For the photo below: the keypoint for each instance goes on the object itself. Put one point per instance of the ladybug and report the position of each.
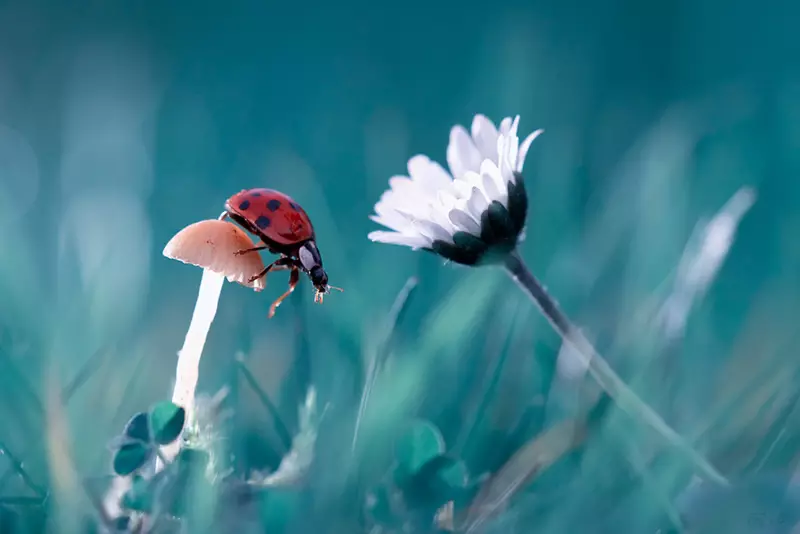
(284, 228)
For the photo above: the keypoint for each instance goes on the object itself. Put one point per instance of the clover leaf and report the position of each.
(166, 422)
(138, 428)
(130, 457)
(417, 445)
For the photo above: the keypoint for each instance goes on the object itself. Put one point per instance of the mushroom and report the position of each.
(212, 244)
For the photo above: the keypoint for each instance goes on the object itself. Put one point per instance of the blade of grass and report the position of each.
(776, 433)
(649, 483)
(86, 371)
(70, 489)
(16, 467)
(67, 393)
(499, 357)
(233, 400)
(12, 373)
(533, 458)
(133, 377)
(381, 353)
(280, 427)
(446, 330)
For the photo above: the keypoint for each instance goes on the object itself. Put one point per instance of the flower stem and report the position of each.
(602, 372)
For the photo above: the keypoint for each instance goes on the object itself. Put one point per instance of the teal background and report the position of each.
(122, 122)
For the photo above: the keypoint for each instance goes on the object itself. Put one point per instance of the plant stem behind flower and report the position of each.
(602, 372)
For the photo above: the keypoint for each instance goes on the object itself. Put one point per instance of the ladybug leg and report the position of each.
(293, 279)
(278, 265)
(246, 250)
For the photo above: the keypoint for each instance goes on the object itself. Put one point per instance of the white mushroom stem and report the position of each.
(188, 369)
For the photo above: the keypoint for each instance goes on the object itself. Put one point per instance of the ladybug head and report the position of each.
(319, 278)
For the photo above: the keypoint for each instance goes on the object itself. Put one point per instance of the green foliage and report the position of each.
(438, 481)
(143, 433)
(423, 479)
(141, 496)
(138, 428)
(417, 445)
(130, 457)
(172, 489)
(166, 422)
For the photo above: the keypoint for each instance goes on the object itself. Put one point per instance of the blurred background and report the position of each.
(123, 122)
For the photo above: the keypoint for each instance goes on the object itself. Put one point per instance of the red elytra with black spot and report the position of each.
(273, 216)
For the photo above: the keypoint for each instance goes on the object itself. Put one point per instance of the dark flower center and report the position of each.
(500, 229)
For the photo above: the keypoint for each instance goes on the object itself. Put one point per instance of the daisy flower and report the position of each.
(474, 215)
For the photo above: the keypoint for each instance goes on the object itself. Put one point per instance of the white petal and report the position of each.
(505, 126)
(438, 216)
(505, 164)
(463, 188)
(507, 173)
(484, 134)
(393, 238)
(477, 203)
(398, 181)
(406, 195)
(512, 146)
(446, 198)
(462, 154)
(430, 175)
(391, 219)
(440, 175)
(463, 205)
(490, 187)
(512, 132)
(465, 222)
(472, 179)
(523, 149)
(434, 231)
(502, 149)
(493, 183)
(402, 187)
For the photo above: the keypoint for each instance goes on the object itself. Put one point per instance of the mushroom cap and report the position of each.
(211, 244)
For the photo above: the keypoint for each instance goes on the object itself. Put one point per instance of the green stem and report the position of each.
(600, 370)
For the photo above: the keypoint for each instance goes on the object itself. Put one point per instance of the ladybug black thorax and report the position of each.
(309, 256)
(311, 261)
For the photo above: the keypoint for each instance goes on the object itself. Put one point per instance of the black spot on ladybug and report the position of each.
(256, 194)
(263, 222)
(244, 205)
(294, 206)
(273, 204)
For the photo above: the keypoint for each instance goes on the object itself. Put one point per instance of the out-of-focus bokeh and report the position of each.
(123, 122)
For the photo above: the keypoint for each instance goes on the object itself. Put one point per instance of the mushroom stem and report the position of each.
(187, 371)
(188, 368)
(602, 372)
